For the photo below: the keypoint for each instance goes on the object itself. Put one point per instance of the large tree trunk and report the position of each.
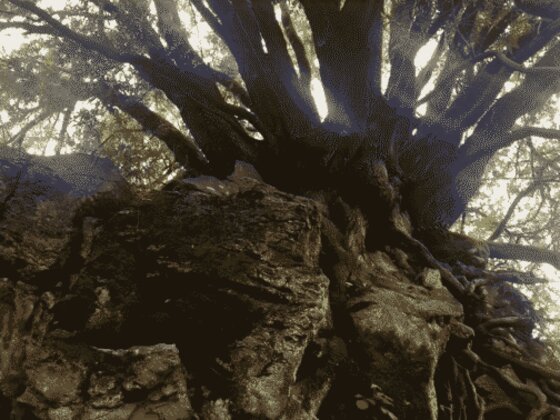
(229, 298)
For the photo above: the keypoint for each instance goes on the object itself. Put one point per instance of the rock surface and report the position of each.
(38, 199)
(220, 299)
(44, 373)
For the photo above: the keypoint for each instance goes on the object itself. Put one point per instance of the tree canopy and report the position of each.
(200, 84)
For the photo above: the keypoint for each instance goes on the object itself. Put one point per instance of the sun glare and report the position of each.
(424, 54)
(10, 40)
(319, 98)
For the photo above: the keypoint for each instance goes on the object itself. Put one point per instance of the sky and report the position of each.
(10, 40)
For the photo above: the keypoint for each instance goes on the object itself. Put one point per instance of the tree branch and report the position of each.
(297, 45)
(20, 135)
(404, 43)
(182, 52)
(426, 72)
(524, 253)
(185, 150)
(198, 98)
(509, 63)
(132, 15)
(274, 38)
(507, 140)
(169, 25)
(480, 94)
(518, 277)
(439, 97)
(513, 65)
(490, 133)
(354, 101)
(64, 127)
(29, 28)
(509, 213)
(68, 33)
(221, 9)
(524, 132)
(282, 107)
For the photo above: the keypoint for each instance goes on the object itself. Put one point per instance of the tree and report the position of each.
(406, 148)
(438, 156)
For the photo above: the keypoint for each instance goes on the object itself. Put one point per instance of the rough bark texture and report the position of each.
(220, 299)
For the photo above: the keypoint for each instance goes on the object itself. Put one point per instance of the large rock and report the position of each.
(235, 264)
(233, 276)
(44, 374)
(227, 270)
(403, 329)
(38, 198)
(76, 174)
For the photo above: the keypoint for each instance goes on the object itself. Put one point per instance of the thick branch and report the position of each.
(223, 139)
(524, 253)
(498, 28)
(490, 134)
(182, 52)
(64, 127)
(438, 98)
(376, 43)
(513, 65)
(185, 150)
(524, 132)
(479, 95)
(275, 41)
(132, 15)
(425, 74)
(221, 31)
(509, 63)
(169, 25)
(488, 150)
(518, 277)
(282, 107)
(297, 45)
(404, 43)
(353, 92)
(221, 9)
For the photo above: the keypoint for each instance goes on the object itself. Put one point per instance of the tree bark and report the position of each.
(524, 253)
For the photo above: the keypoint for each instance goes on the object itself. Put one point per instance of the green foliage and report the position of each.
(144, 161)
